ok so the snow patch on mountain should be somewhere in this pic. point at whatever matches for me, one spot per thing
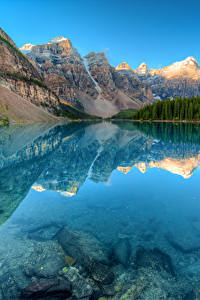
(189, 61)
(58, 39)
(123, 66)
(142, 69)
(87, 69)
(27, 47)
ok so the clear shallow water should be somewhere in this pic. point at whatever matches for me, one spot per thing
(121, 196)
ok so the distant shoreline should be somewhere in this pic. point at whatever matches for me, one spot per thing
(158, 121)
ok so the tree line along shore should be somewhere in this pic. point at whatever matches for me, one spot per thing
(179, 109)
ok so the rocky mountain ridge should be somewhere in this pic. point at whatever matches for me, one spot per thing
(21, 76)
(90, 83)
(55, 77)
(180, 79)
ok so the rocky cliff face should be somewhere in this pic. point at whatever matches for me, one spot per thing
(24, 77)
(121, 78)
(20, 75)
(120, 86)
(89, 83)
(63, 69)
(12, 61)
(128, 82)
(181, 79)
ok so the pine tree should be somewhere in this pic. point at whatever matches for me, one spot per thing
(182, 112)
(190, 112)
(154, 112)
(178, 109)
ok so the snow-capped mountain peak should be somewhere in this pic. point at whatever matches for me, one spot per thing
(26, 47)
(188, 62)
(142, 69)
(58, 39)
(123, 66)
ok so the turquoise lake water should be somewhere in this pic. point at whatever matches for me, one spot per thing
(123, 197)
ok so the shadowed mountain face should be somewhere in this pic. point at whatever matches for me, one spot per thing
(62, 158)
(22, 77)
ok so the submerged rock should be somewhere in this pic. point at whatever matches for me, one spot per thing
(133, 292)
(184, 242)
(43, 233)
(154, 259)
(192, 295)
(97, 295)
(8, 287)
(101, 273)
(83, 247)
(122, 251)
(57, 287)
(47, 267)
(80, 287)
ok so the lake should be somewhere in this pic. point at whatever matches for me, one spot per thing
(106, 210)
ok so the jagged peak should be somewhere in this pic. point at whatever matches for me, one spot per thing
(93, 54)
(58, 39)
(143, 68)
(143, 65)
(191, 59)
(27, 47)
(98, 58)
(123, 66)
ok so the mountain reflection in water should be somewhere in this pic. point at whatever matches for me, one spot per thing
(112, 186)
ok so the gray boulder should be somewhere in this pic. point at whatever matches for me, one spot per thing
(56, 287)
(83, 247)
(81, 288)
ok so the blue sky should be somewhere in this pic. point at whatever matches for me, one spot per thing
(155, 31)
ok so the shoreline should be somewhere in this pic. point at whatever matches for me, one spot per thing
(158, 121)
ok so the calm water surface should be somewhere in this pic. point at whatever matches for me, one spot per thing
(100, 211)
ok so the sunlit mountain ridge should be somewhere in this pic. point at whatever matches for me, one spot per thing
(182, 167)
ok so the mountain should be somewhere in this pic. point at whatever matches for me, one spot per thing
(88, 83)
(128, 82)
(181, 79)
(24, 94)
(56, 78)
(26, 47)
(21, 76)
(142, 70)
(63, 69)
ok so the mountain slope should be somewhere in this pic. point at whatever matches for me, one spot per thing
(119, 90)
(17, 109)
